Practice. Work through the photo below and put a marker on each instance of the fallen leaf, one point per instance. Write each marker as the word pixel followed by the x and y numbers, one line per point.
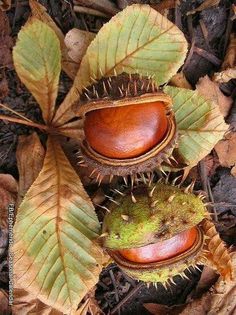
pixel 55 254
pixel 39 12
pixel 77 42
pixel 138 39
pixel 105 6
pixel 230 56
pixel 220 300
pixel 90 305
pixel 5 5
pixel 37 61
pixel 199 122
pixel 207 279
pixel 8 193
pixel 205 5
pixel 30 155
pixel 226 151
pixel 225 75
pixel 228 69
pixel 4 307
pixel 25 303
pixel 179 80
pixel 164 5
pixel 6 41
pixel 160 309
pixel 212 92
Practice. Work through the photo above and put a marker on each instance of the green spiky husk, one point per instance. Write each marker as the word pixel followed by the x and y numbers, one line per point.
pixel 151 219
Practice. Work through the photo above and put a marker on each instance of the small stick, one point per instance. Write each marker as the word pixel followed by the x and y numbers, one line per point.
pixel 85 10
pixel 24 122
pixel 207 55
pixel 114 284
pixel 126 299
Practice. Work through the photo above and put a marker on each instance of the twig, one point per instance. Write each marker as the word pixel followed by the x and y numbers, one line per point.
pixel 207 55
pixel 206 187
pixel 79 9
pixel 114 285
pixel 24 122
pixel 128 296
pixel 178 20
pixel 14 112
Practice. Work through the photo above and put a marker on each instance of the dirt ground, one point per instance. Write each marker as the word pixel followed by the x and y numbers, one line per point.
pixel 116 293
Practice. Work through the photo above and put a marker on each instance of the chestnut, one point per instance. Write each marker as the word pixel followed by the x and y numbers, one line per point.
pixel 162 250
pixel 129 125
pixel 161 232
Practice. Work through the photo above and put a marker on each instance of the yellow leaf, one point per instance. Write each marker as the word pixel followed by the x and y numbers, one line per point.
pixel 138 39
pixel 30 155
pixel 37 60
pixel 55 254
pixel 68 65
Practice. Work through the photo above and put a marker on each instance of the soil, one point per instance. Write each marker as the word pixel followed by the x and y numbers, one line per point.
pixel 205 57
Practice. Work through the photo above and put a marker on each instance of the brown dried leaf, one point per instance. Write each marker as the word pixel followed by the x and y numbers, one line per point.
pixel 229 65
pixel 105 6
pixel 212 92
pixel 220 301
pixel 77 42
pixel 6 41
pixel 230 57
pixel 225 75
pixel 4 307
pixel 208 278
pixel 68 65
pixel 8 192
pixel 179 80
pixel 164 5
pixel 226 151
pixel 30 155
pixel 160 309
pixel 5 5
pixel 26 303
pixel 205 5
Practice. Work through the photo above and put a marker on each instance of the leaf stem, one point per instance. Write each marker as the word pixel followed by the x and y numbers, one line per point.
pixel 14 112
pixel 24 122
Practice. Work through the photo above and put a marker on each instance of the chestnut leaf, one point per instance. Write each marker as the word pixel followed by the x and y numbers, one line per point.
pixel 55 254
pixel 199 122
pixel 37 60
pixel 136 40
pixel 39 12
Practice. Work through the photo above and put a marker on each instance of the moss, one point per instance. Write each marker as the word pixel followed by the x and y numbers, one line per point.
pixel 174 212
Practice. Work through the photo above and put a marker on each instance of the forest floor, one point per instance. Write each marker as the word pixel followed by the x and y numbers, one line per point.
pixel 208 34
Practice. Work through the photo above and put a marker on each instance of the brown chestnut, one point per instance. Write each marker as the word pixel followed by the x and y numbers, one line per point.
pixel 126 132
pixel 162 250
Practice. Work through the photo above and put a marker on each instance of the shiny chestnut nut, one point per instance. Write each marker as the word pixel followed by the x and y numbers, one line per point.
pixel 129 125
pixel 161 232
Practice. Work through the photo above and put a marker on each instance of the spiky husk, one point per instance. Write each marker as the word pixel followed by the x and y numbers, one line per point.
pixel 215 253
pixel 153 217
pixel 158 213
pixel 125 90
pixel 164 270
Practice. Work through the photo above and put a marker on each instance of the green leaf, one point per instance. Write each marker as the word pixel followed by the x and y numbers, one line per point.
pixel 37 60
pixel 138 39
pixel 55 255
pixel 68 65
pixel 199 121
